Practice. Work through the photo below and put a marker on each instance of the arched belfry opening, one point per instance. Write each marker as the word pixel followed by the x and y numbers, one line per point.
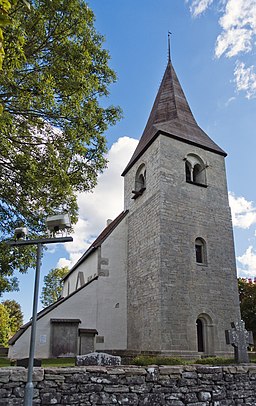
pixel 140 181
pixel 195 170
pixel 205 334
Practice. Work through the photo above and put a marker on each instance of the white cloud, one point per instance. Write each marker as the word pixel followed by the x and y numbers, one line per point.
pixel 237 36
pixel 197 7
pixel 243 212
pixel 106 201
pixel 238 24
pixel 248 260
pixel 245 79
pixel 239 27
pixel 233 41
pixel 230 100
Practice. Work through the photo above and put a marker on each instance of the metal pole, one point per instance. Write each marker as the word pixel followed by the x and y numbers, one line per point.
pixel 29 389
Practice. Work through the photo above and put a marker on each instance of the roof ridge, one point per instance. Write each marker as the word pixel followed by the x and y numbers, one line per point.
pixel 99 240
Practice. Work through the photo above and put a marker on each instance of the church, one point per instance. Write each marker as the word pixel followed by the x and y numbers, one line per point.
pixel 161 277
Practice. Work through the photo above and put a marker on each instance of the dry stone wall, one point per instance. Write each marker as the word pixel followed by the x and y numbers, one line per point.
pixel 138 386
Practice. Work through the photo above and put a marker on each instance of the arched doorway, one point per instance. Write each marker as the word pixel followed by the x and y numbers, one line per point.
pixel 205 334
pixel 200 335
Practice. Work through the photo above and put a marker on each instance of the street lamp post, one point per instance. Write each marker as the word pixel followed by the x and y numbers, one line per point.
pixel 29 389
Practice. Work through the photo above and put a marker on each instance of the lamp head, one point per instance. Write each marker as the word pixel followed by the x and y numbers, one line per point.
pixel 58 222
pixel 21 233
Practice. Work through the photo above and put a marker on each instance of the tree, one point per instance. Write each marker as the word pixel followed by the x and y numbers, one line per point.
pixel 5 8
pixel 52 141
pixel 15 315
pixel 52 288
pixel 247 295
pixel 11 319
pixel 4 326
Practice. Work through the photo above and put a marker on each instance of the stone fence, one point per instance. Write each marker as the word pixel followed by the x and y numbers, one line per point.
pixel 194 385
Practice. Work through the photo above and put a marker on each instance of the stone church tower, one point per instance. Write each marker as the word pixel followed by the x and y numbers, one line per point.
pixel 181 281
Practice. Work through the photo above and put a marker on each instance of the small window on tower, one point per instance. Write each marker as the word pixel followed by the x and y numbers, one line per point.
pixel 200 250
pixel 140 182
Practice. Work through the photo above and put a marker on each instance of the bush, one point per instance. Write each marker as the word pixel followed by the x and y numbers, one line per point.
pixel 215 361
pixel 143 360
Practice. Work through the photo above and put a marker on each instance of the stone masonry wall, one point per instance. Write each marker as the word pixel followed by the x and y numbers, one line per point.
pixel 128 385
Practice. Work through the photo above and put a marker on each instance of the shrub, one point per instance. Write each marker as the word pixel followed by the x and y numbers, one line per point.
pixel 144 360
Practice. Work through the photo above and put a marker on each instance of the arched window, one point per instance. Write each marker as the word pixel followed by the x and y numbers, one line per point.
pixel 140 181
pixel 195 170
pixel 200 251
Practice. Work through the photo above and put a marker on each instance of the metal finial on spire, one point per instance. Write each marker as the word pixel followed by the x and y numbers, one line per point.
pixel 169 46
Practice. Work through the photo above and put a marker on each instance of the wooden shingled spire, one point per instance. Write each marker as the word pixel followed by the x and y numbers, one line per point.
pixel 171 116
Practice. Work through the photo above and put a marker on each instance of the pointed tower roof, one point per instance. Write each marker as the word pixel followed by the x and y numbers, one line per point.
pixel 171 116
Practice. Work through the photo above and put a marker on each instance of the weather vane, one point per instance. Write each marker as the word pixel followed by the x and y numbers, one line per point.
pixel 169 45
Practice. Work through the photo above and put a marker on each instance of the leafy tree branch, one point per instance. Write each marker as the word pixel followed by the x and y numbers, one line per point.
pixel 52 127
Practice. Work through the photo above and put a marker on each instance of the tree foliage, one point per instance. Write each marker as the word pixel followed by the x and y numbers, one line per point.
pixel 4 326
pixel 5 6
pixel 52 127
pixel 11 319
pixel 52 287
pixel 15 315
pixel 247 295
pixel 5 9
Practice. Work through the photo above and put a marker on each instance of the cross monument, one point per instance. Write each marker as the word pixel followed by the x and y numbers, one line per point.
pixel 240 338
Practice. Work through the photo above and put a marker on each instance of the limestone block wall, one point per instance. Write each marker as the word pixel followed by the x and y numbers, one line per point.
pixel 168 291
pixel 138 386
pixel 143 283
pixel 189 289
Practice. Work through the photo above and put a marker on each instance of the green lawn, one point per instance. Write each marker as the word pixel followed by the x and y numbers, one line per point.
pixel 140 360
pixel 51 362
pixel 4 362
pixel 58 362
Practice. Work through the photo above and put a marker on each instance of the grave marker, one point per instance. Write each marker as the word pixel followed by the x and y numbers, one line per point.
pixel 240 339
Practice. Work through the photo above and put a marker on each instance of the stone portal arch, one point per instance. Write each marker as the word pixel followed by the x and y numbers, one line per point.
pixel 205 335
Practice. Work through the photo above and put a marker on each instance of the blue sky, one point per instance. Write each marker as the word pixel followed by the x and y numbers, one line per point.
pixel 213 52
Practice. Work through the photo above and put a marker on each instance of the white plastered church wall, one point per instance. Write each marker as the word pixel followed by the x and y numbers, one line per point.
pixel 81 306
pixel 112 291
pixel 89 268
pixel 100 305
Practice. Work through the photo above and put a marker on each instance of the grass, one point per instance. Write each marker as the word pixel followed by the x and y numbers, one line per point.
pixel 4 362
pixel 58 362
pixel 141 360
pixel 46 363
